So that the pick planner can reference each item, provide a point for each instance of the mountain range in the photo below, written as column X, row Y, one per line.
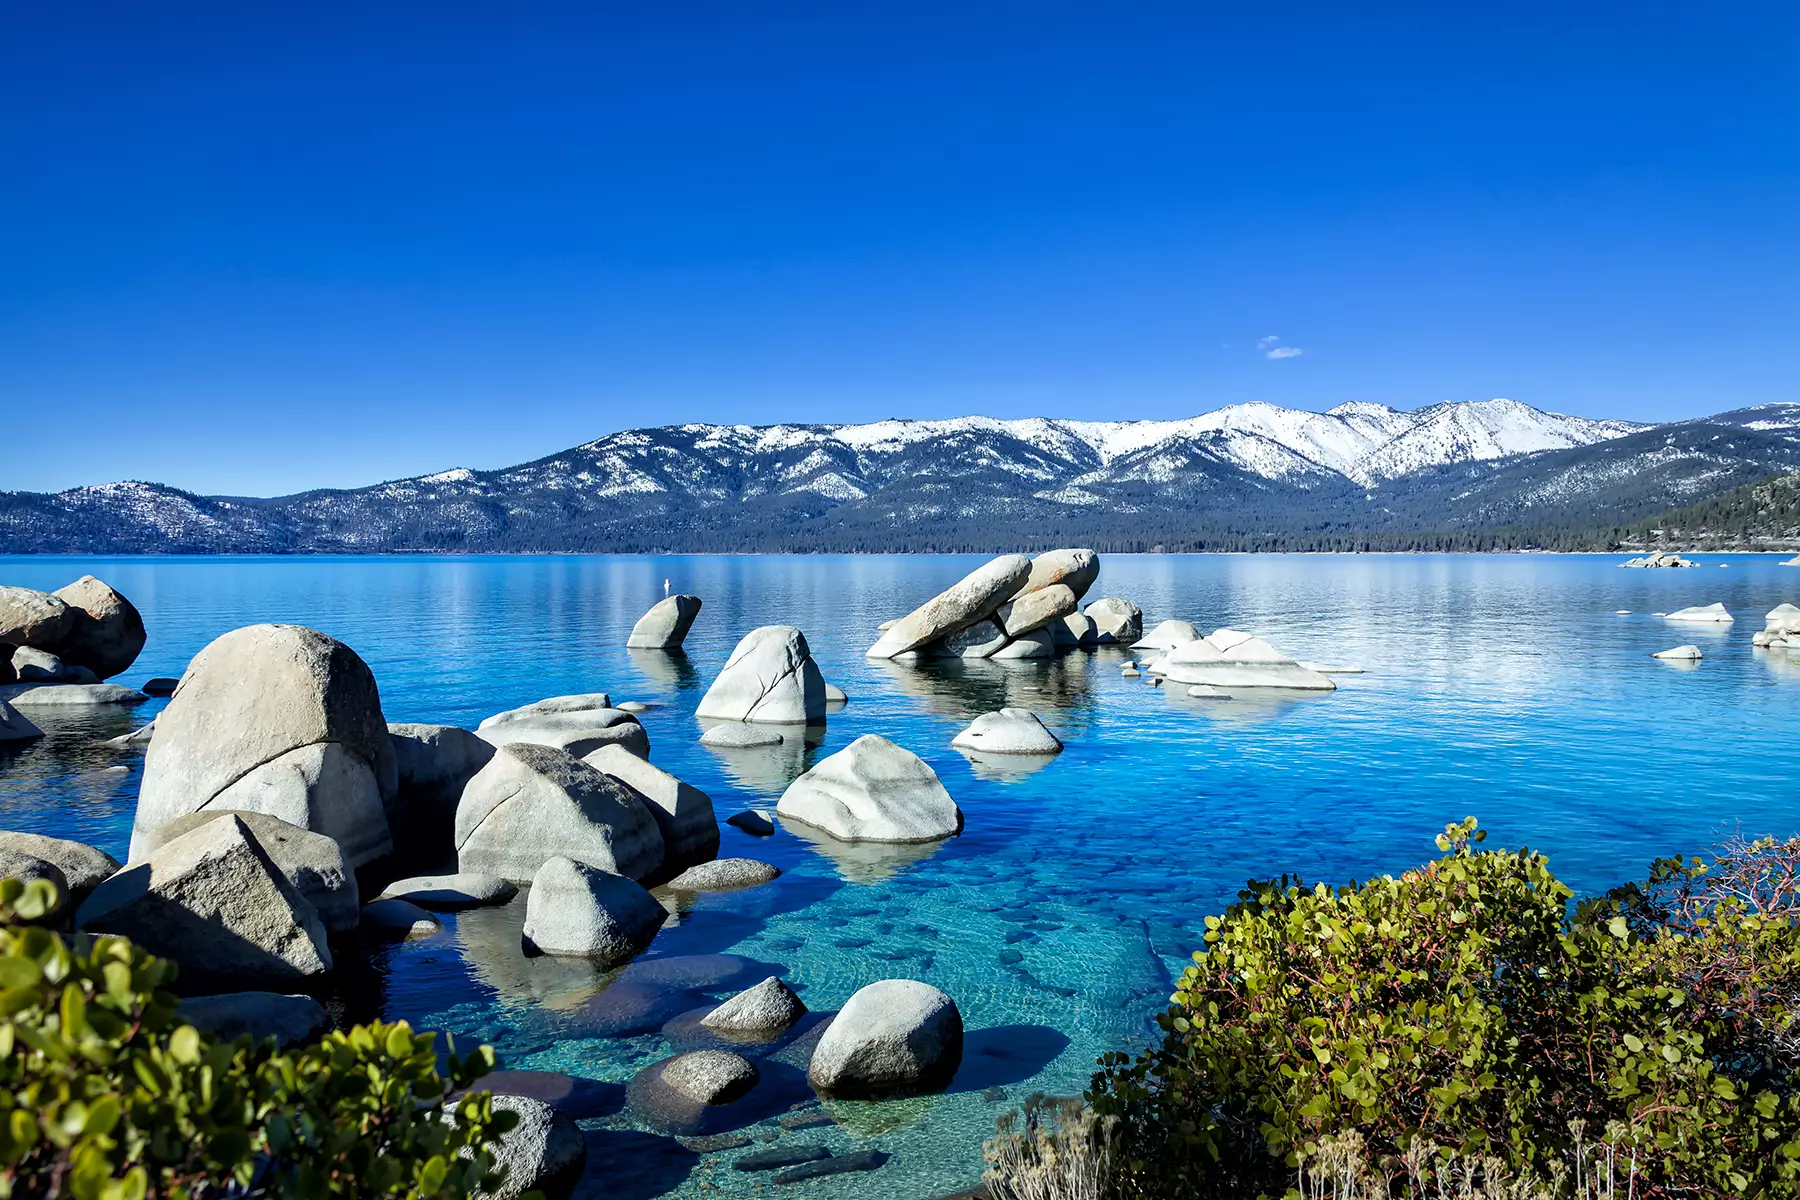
column 1468, row 474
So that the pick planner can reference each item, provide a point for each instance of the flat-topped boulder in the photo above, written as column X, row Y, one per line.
column 973, row 597
column 682, row 812
column 873, row 791
column 898, row 1037
column 771, row 678
column 723, row 875
column 276, row 719
column 1034, row 610
column 83, row 867
column 665, row 625
column 213, row 901
column 1680, row 654
column 532, row 803
column 582, row 702
column 312, row 862
column 578, row 910
column 1231, row 659
column 735, row 736
column 1115, row 621
column 1075, row 569
column 1009, row 731
column 451, row 892
column 1167, row 636
column 577, row 730
column 1714, row 613
column 68, row 695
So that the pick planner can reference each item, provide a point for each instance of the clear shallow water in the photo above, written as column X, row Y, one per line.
column 1504, row 687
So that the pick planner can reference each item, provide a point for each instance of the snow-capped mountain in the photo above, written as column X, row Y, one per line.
column 1254, row 471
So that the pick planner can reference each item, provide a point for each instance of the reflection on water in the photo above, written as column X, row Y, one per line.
column 1078, row 886
column 1003, row 767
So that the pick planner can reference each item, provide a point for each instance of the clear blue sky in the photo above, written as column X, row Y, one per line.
column 249, row 252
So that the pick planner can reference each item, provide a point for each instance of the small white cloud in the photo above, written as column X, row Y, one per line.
column 1267, row 342
column 1284, row 352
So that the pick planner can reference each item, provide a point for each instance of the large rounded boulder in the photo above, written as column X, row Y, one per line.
column 32, row 618
column 770, row 676
column 105, row 633
column 898, row 1037
column 276, row 719
column 578, row 910
column 873, row 791
column 532, row 803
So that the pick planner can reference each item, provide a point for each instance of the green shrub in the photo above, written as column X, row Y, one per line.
column 106, row 1095
column 1463, row 1007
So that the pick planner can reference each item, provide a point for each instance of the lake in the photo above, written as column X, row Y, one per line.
column 1505, row 687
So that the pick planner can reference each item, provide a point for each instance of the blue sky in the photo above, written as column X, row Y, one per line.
column 254, row 251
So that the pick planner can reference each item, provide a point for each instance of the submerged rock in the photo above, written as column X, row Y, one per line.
column 771, row 677
column 723, row 875
column 873, row 791
column 1167, row 636
column 399, row 916
column 581, row 911
column 739, row 737
column 451, row 892
column 1715, row 613
column 893, row 1038
column 768, row 1009
column 1230, row 658
column 665, row 625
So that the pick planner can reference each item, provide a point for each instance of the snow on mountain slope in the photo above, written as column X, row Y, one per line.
column 1473, row 431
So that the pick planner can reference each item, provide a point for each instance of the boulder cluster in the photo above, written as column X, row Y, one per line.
column 83, row 633
column 1227, row 658
column 1781, row 629
column 1012, row 607
column 1660, row 558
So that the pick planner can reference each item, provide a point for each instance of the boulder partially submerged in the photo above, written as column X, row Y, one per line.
column 1009, row 731
column 532, row 803
column 1230, row 658
column 1660, row 558
column 770, row 677
column 665, row 625
column 873, row 791
column 970, row 599
column 578, row 724
column 1167, row 636
column 898, row 1037
column 1714, row 613
column 579, row 910
column 277, row 719
column 1781, row 629
column 1680, row 654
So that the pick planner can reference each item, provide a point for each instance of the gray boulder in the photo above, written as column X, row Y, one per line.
column 683, row 813
column 1009, row 731
column 578, row 910
column 83, row 867
column 710, row 1076
column 979, row 640
column 160, row 685
column 29, row 867
column 532, row 803
column 723, row 875
column 312, row 862
column 752, row 823
column 290, row 1020
column 277, row 719
column 137, row 738
column 213, row 901
column 32, row 618
column 735, row 736
column 584, row 702
column 893, row 1038
column 965, row 602
column 1076, row 629
column 771, row 677
column 451, row 892
column 68, row 695
column 545, row 1152
column 1116, row 620
column 768, row 1009
column 14, row 727
column 1167, row 636
column 31, row 665
column 1075, row 569
column 105, row 633
column 1036, row 644
column 1034, row 610
column 873, row 791
column 433, row 763
column 398, row 916
column 665, row 625
column 578, row 731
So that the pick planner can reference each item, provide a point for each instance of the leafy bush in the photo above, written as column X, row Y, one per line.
column 106, row 1095
column 1462, row 1006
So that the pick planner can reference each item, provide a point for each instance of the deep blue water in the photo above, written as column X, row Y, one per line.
column 1505, row 687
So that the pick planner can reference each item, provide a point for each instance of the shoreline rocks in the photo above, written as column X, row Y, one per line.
column 873, row 791
column 683, row 813
column 1660, row 558
column 765, row 1011
column 312, row 862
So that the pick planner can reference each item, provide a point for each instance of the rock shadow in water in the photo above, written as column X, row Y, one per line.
column 670, row 668
column 964, row 688
column 627, row 1164
column 1006, row 1054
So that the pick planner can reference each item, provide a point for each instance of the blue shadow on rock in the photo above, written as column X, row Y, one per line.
column 1006, row 1054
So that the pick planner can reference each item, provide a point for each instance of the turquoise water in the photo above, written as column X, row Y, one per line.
column 1504, row 687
